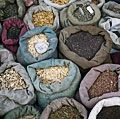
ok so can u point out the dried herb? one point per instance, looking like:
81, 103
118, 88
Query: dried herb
109, 113
10, 10
106, 82
66, 112
13, 33
84, 44
82, 14
116, 10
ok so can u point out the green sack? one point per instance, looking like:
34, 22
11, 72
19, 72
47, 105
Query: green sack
22, 111
48, 92
77, 14
11, 8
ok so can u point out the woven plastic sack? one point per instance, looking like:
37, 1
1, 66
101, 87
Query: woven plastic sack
10, 99
58, 103
112, 26
12, 44
48, 92
21, 112
20, 12
57, 6
100, 4
68, 17
106, 9
30, 2
100, 56
5, 56
110, 102
88, 81
41, 7
26, 57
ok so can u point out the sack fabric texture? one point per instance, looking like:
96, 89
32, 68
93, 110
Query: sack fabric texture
112, 26
10, 99
22, 111
88, 81
82, 62
68, 17
25, 57
12, 44
41, 7
48, 92
58, 103
107, 9
20, 12
110, 102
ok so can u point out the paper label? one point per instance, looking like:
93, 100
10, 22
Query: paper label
41, 47
89, 8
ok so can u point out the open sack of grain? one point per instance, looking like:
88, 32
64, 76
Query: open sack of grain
58, 4
64, 108
87, 46
42, 15
13, 28
112, 9
54, 78
80, 13
11, 8
15, 87
99, 3
36, 45
23, 112
99, 83
106, 109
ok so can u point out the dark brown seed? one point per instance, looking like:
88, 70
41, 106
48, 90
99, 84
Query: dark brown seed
106, 82
84, 44
109, 113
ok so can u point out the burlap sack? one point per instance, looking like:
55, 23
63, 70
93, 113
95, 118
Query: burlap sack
67, 15
109, 5
112, 26
100, 56
10, 99
41, 7
20, 4
22, 111
100, 4
58, 103
48, 92
88, 81
114, 101
12, 44
57, 6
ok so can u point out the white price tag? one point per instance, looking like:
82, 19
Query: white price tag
41, 47
89, 8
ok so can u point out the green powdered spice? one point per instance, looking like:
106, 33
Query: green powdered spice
82, 14
10, 10
66, 112
13, 33
109, 113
